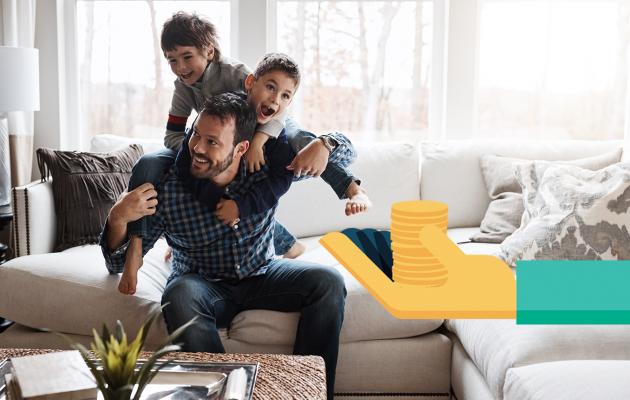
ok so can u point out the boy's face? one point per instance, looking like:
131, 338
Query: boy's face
189, 62
270, 94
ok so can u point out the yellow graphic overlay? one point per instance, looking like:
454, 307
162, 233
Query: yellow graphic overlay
433, 278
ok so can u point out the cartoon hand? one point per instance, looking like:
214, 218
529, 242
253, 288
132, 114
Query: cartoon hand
476, 286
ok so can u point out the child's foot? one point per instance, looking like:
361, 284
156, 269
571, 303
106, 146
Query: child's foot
358, 202
133, 262
296, 250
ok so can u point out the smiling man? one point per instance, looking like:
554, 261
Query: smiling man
221, 270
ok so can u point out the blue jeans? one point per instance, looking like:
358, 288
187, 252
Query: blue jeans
318, 292
335, 175
151, 167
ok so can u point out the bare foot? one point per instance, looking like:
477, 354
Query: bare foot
358, 200
133, 262
295, 251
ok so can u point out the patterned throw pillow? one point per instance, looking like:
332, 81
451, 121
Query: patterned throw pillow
85, 186
505, 210
572, 214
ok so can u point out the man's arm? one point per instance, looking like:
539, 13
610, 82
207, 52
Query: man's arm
129, 207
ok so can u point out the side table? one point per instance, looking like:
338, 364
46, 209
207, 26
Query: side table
279, 376
6, 215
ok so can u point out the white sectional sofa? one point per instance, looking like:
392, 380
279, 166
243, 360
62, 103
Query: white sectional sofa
380, 356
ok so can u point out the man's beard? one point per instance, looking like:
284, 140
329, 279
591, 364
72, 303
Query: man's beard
214, 169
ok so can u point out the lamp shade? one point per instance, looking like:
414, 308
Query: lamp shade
19, 79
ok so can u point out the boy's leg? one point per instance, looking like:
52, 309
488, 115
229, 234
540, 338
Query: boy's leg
149, 168
318, 292
285, 243
190, 296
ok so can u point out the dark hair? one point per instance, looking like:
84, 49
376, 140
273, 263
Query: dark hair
232, 105
278, 62
184, 29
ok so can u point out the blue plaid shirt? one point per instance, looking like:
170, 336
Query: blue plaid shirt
201, 243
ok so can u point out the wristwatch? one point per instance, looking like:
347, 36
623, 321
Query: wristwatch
329, 143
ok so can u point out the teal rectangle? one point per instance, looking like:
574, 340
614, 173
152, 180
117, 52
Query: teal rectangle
573, 292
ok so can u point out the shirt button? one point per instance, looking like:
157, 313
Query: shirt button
237, 266
235, 227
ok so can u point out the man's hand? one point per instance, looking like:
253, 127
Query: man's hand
255, 156
311, 160
228, 212
133, 205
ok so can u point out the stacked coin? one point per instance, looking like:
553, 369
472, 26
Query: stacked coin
413, 263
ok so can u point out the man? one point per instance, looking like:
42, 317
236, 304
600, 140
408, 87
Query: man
221, 270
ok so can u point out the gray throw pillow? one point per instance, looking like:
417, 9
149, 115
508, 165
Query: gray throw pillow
85, 186
505, 210
573, 214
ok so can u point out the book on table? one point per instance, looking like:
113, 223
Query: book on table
180, 380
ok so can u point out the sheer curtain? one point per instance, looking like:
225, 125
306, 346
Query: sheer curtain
18, 30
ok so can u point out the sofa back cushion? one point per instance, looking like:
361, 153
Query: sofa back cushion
451, 170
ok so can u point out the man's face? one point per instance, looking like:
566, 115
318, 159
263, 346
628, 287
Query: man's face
270, 94
188, 62
211, 146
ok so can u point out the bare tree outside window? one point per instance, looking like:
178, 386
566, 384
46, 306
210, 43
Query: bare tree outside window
126, 83
365, 66
553, 69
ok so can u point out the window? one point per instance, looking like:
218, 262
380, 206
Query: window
366, 65
126, 84
553, 69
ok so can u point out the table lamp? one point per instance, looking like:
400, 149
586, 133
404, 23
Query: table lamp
19, 91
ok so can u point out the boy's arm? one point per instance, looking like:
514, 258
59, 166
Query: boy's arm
266, 193
181, 107
313, 154
114, 239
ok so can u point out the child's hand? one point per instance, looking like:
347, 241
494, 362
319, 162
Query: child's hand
311, 160
227, 212
255, 157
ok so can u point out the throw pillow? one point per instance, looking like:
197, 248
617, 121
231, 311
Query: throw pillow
574, 214
85, 186
505, 210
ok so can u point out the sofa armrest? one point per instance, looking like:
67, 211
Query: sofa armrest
34, 219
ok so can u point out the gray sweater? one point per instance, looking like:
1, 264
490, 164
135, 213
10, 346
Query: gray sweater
222, 76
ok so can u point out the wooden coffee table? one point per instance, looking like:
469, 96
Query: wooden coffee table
279, 376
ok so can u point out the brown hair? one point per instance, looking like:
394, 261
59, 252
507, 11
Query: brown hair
278, 62
184, 29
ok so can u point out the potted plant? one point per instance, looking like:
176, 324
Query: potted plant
114, 361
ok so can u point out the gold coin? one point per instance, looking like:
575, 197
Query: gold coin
418, 268
422, 282
409, 251
420, 220
407, 241
420, 260
400, 228
423, 208
421, 274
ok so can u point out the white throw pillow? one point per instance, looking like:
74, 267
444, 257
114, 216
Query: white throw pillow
572, 214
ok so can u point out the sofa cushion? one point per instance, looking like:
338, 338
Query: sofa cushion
495, 346
572, 214
85, 186
505, 210
77, 282
569, 380
451, 172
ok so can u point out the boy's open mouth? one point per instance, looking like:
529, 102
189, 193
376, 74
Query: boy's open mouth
267, 111
187, 76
